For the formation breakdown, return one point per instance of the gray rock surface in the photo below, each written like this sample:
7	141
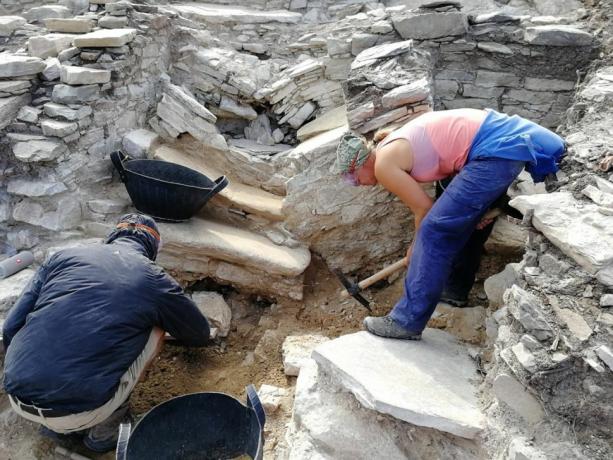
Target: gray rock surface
214	307
429	25
526	309
72	75
19	66
440	396
297	351
508	390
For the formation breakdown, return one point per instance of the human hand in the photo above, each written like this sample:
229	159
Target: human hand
484	223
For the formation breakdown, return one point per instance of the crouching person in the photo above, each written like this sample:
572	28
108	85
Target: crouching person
87	326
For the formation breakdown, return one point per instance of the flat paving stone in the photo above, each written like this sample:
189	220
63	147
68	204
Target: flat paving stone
105	38
430	383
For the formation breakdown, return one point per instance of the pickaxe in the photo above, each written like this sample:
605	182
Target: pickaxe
354	289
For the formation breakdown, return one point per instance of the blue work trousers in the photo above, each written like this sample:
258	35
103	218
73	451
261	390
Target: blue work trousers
445	231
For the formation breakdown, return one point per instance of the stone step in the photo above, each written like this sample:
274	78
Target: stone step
200	248
236	195
430	383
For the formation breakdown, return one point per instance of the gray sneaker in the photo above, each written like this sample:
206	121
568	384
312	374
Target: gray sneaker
385	326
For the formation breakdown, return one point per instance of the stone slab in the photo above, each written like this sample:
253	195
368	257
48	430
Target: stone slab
513	394
430	25
8	25
72	75
557	35
105	38
10	107
330	120
431	383
213	306
50	45
19	66
138	143
218	14
297	351
577	228
235	245
69	26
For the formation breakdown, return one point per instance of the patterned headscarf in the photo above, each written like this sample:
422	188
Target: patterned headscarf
140	228
351	153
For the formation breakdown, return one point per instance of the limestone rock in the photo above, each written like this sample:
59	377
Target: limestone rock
105	38
28	114
416	91
525	357
69	26
53	69
496	285
259	130
362	364
271	397
214	15
107	207
508	390
34	188
38	150
66	94
214	307
557	35
8	25
575	323
44	46
578	229
297	351
14	87
507	236
19	66
40	13
10	107
241	110
58	128
606	355
606	300
328	121
138	143
520	449
12	287
113	22
327	421
429	25
72	75
67	113
77	6
525	308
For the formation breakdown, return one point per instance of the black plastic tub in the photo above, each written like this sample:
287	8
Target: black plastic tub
164	190
199	426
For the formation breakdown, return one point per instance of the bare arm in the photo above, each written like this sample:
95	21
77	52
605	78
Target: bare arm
391	168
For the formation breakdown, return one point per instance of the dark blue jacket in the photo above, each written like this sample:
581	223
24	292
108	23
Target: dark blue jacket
84	318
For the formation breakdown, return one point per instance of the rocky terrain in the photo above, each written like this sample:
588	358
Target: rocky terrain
261	92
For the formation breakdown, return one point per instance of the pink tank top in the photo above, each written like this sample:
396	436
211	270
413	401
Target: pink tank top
440	141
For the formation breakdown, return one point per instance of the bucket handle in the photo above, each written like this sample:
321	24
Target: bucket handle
118	158
253	402
220	183
125	429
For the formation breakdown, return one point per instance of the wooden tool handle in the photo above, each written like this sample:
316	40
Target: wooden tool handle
387	271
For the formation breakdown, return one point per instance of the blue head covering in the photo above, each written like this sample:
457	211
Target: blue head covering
139	228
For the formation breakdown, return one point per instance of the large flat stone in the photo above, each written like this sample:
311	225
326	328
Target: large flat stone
235	245
38	150
66	94
330	120
557	35
50	45
430	25
431	383
8	25
577	228
72	75
105	38
70	26
40	13
10	107
218	14
19	66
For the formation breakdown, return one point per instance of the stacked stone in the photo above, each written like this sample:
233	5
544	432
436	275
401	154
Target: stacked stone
77	117
387	84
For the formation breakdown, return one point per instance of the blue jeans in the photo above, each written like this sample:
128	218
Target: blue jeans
445	231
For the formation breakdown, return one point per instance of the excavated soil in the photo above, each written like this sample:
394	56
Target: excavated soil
251	354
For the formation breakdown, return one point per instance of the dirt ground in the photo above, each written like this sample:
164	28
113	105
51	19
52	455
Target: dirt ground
251	354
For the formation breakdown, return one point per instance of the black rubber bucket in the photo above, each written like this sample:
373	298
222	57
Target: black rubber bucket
199	426
164	190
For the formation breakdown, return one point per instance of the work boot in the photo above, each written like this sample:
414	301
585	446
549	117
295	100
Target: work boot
103	437
385	326
60	437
